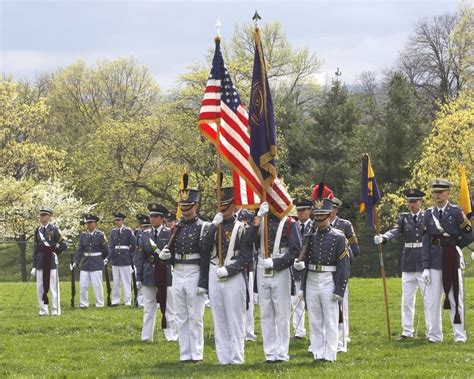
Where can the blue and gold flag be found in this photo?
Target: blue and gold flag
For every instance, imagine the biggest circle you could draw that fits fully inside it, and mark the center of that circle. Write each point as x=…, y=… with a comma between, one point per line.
x=370, y=194
x=263, y=148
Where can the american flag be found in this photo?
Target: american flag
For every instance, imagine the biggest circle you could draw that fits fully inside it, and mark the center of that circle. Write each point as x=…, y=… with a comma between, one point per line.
x=222, y=105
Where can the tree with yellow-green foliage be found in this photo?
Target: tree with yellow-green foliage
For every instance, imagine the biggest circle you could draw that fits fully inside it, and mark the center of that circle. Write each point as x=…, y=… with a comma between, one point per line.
x=449, y=144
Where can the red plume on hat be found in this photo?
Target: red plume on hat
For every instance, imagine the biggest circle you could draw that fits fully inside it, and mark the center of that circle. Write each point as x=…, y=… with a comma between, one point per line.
x=321, y=191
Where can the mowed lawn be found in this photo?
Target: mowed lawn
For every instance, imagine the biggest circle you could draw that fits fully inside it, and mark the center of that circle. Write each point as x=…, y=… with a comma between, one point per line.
x=106, y=342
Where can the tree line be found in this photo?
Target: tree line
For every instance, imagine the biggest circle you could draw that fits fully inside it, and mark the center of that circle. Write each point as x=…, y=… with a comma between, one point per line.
x=106, y=134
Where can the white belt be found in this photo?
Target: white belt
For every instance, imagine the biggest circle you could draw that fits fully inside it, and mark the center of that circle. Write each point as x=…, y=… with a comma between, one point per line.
x=92, y=254
x=186, y=257
x=321, y=268
x=122, y=247
x=283, y=251
x=413, y=244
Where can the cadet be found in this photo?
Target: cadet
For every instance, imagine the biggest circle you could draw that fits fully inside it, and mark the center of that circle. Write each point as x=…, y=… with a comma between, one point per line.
x=48, y=244
x=121, y=249
x=345, y=226
x=190, y=278
x=227, y=280
x=155, y=276
x=410, y=226
x=274, y=281
x=303, y=209
x=143, y=224
x=447, y=230
x=92, y=247
x=325, y=280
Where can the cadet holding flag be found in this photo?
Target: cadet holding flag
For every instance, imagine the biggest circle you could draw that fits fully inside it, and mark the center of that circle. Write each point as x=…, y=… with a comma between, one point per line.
x=48, y=243
x=410, y=226
x=227, y=281
x=447, y=230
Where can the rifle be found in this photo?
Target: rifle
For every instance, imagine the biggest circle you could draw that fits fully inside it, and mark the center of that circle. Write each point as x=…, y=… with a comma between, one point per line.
x=307, y=240
x=134, y=283
x=107, y=283
x=73, y=283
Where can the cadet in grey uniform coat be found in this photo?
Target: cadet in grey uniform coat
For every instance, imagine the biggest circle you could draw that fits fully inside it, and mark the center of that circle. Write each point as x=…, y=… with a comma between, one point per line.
x=144, y=222
x=154, y=276
x=274, y=281
x=190, y=277
x=345, y=226
x=122, y=246
x=227, y=280
x=91, y=252
x=447, y=230
x=410, y=226
x=48, y=244
x=324, y=282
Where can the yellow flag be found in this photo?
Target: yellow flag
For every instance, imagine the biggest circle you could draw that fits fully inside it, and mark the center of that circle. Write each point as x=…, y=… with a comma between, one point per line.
x=464, y=198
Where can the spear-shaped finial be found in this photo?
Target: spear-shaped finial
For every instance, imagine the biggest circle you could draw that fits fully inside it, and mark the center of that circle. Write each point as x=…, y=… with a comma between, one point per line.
x=256, y=17
x=218, y=28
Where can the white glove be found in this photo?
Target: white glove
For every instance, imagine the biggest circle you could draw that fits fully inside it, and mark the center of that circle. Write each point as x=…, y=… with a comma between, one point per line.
x=336, y=297
x=300, y=294
x=165, y=254
x=263, y=209
x=132, y=271
x=298, y=265
x=218, y=218
x=268, y=263
x=106, y=261
x=139, y=285
x=33, y=272
x=426, y=276
x=72, y=266
x=472, y=255
x=378, y=239
x=222, y=272
x=200, y=291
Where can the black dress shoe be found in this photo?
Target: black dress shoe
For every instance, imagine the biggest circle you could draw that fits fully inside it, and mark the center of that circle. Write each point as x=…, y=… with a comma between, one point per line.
x=403, y=337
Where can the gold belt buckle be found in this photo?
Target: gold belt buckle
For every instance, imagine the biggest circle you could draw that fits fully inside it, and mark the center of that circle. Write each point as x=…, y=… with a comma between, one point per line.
x=184, y=257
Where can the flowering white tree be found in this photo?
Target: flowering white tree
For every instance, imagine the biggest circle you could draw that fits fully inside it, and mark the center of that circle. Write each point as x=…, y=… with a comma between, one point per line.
x=19, y=205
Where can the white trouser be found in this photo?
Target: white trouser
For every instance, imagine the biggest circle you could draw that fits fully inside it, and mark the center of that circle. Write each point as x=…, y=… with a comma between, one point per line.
x=343, y=328
x=274, y=297
x=323, y=314
x=411, y=281
x=85, y=279
x=149, y=315
x=249, y=318
x=189, y=308
x=171, y=331
x=53, y=295
x=140, y=297
x=121, y=276
x=297, y=303
x=436, y=295
x=227, y=299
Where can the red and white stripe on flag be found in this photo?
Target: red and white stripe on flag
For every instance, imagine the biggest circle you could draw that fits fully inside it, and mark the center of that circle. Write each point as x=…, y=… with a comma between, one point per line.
x=235, y=146
x=245, y=197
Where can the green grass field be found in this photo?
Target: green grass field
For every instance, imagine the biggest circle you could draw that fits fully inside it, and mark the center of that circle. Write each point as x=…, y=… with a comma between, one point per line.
x=106, y=342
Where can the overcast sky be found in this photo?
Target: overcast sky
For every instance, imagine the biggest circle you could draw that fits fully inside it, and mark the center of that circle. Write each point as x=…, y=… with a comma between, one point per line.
x=168, y=37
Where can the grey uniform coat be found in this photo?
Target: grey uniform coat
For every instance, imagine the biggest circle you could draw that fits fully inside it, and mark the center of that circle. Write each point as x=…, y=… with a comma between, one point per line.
x=122, y=246
x=242, y=251
x=412, y=232
x=454, y=223
x=147, y=258
x=94, y=242
x=346, y=227
x=329, y=248
x=53, y=236
x=188, y=241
